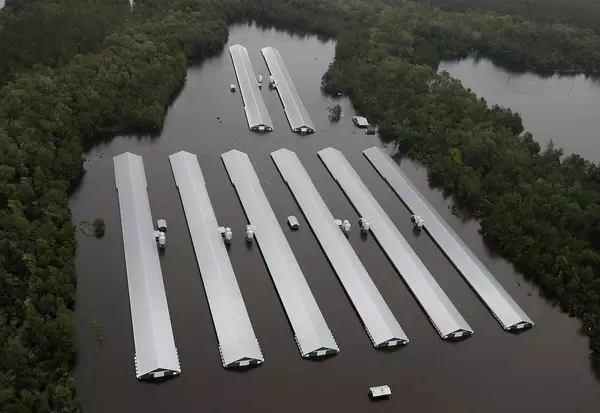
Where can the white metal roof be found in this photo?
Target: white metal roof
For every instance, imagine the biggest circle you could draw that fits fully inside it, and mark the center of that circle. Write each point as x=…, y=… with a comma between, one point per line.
x=155, y=351
x=254, y=105
x=237, y=341
x=381, y=325
x=442, y=313
x=312, y=333
x=491, y=292
x=361, y=121
x=292, y=104
x=380, y=391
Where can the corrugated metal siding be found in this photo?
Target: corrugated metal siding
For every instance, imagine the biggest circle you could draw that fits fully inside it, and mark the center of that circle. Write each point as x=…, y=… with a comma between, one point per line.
x=155, y=352
x=442, y=313
x=254, y=105
x=381, y=325
x=311, y=331
x=500, y=303
x=237, y=341
x=292, y=104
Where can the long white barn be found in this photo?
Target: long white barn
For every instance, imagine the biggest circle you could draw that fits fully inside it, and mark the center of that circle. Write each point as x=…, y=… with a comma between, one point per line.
x=254, y=104
x=382, y=327
x=443, y=314
x=312, y=334
x=237, y=342
x=155, y=352
x=295, y=111
x=501, y=304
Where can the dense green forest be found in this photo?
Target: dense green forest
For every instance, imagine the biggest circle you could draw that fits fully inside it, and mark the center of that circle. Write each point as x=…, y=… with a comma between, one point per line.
x=117, y=76
x=582, y=13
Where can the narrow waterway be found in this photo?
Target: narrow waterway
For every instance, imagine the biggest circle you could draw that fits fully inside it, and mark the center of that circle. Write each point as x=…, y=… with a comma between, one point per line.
x=545, y=369
x=563, y=109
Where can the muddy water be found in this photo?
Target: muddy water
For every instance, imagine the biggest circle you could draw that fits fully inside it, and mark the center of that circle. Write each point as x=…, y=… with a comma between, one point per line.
x=563, y=109
x=545, y=369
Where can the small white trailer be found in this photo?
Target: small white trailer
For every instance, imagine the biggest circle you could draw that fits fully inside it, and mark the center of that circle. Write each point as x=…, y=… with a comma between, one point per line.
x=378, y=392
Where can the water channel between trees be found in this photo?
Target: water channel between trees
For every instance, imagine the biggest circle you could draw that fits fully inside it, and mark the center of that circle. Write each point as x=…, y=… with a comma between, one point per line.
x=545, y=369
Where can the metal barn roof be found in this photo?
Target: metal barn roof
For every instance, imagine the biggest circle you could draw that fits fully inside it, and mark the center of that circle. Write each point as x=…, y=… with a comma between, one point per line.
x=381, y=325
x=500, y=303
x=292, y=104
x=237, y=342
x=442, y=313
x=254, y=105
x=155, y=352
x=312, y=333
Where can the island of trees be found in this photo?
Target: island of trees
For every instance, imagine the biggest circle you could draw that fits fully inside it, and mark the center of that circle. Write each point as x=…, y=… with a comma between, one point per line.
x=76, y=71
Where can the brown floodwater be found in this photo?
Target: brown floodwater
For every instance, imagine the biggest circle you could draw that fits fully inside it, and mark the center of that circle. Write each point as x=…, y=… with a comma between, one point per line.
x=545, y=369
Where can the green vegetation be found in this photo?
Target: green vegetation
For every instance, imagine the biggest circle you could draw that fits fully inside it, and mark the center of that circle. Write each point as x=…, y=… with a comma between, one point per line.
x=582, y=13
x=97, y=334
x=99, y=227
x=65, y=87
x=46, y=116
x=335, y=113
x=51, y=32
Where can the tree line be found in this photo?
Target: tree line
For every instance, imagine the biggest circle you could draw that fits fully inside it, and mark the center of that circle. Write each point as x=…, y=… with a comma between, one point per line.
x=581, y=13
x=118, y=75
x=46, y=116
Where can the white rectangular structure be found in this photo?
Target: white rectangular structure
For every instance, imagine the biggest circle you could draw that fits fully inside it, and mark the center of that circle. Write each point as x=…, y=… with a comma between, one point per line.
x=380, y=391
x=503, y=307
x=442, y=313
x=292, y=104
x=382, y=327
x=311, y=331
x=254, y=105
x=238, y=345
x=155, y=352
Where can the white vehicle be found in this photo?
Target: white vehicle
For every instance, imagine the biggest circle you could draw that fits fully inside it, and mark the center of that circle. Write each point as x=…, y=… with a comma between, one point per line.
x=162, y=239
x=249, y=233
x=293, y=222
x=260, y=78
x=365, y=225
x=232, y=87
x=226, y=233
x=160, y=234
x=344, y=225
x=418, y=221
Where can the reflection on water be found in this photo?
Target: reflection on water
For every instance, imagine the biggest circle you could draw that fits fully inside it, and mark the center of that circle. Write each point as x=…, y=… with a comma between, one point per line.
x=492, y=372
x=561, y=108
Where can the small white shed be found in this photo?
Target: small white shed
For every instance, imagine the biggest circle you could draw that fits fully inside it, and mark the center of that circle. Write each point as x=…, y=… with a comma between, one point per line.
x=380, y=391
x=293, y=222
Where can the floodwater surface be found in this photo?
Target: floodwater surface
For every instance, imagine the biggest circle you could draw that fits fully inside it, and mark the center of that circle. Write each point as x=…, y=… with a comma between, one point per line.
x=542, y=370
x=563, y=109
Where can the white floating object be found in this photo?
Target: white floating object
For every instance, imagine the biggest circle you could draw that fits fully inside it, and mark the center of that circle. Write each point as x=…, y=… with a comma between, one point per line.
x=249, y=233
x=365, y=225
x=417, y=220
x=360, y=121
x=232, y=87
x=380, y=391
x=346, y=226
x=293, y=222
x=226, y=233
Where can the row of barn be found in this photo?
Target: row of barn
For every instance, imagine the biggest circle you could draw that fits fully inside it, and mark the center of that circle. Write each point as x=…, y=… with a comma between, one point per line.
x=280, y=80
x=156, y=353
